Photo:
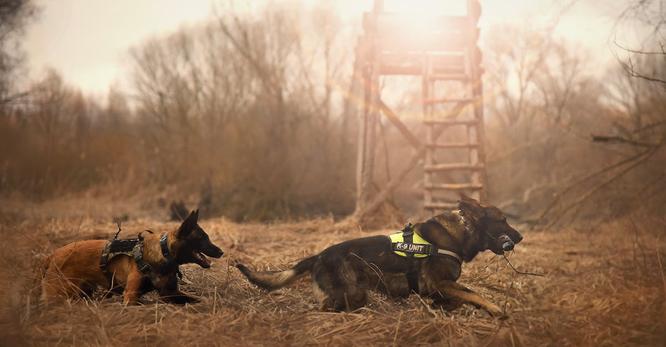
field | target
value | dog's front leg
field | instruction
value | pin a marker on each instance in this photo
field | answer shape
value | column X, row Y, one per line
column 170, row 292
column 460, row 292
column 133, row 287
column 177, row 297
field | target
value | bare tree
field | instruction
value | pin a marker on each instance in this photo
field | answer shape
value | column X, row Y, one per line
column 650, row 17
column 14, row 16
column 249, row 100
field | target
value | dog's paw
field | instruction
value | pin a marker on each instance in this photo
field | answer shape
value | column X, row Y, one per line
column 180, row 299
column 495, row 311
column 192, row 299
column 503, row 316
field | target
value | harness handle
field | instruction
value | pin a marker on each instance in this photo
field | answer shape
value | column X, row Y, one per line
column 118, row 222
column 408, row 229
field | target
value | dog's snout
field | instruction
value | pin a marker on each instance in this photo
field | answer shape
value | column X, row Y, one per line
column 520, row 238
column 506, row 242
column 213, row 251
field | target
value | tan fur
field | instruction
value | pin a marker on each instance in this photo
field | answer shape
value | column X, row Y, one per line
column 319, row 295
column 74, row 267
column 463, row 293
column 278, row 278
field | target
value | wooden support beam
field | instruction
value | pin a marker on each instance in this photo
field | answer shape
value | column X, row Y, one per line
column 441, row 205
column 367, row 137
column 451, row 122
column 450, row 117
column 453, row 186
column 453, row 166
column 453, row 145
column 390, row 187
column 395, row 120
column 448, row 100
column 394, row 182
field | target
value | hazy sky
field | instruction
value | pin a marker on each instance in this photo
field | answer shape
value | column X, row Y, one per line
column 87, row 40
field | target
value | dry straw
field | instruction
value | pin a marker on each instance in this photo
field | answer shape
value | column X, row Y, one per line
column 603, row 286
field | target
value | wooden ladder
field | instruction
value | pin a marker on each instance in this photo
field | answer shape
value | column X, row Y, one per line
column 447, row 175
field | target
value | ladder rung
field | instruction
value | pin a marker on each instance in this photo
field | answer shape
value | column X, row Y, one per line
column 454, row 186
column 441, row 205
column 453, row 166
column 413, row 70
column 444, row 101
column 453, row 145
column 451, row 121
column 448, row 77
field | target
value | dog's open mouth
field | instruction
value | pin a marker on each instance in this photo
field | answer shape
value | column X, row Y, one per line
column 503, row 244
column 201, row 259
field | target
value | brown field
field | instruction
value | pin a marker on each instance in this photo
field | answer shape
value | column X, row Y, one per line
column 604, row 285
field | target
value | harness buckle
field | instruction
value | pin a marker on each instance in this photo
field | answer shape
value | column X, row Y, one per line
column 145, row 268
column 408, row 229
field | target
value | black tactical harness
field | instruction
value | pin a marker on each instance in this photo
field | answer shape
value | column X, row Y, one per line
column 133, row 248
column 412, row 276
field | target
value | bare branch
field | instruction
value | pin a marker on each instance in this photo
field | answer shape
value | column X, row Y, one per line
column 650, row 126
column 622, row 140
column 663, row 51
column 602, row 185
column 586, row 178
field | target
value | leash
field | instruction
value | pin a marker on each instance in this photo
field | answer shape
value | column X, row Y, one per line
column 521, row 272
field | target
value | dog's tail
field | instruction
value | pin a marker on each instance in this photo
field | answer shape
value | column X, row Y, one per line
column 271, row 280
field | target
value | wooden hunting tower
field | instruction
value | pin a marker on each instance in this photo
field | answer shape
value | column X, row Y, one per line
column 445, row 56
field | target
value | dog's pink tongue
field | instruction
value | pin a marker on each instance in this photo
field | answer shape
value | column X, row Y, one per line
column 202, row 259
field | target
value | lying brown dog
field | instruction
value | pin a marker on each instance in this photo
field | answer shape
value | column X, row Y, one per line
column 425, row 258
column 137, row 265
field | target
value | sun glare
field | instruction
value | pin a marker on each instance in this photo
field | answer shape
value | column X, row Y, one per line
column 427, row 7
column 419, row 20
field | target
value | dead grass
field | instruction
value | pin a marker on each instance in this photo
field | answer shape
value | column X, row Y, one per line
column 604, row 286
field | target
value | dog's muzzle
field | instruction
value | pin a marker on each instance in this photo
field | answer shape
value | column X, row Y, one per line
column 507, row 244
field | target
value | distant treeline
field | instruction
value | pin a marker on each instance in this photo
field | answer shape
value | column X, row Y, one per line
column 245, row 115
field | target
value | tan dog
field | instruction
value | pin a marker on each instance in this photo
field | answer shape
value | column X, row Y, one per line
column 136, row 265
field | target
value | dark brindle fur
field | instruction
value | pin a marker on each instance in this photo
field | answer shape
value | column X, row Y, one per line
column 342, row 274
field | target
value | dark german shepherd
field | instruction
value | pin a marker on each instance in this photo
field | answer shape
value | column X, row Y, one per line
column 80, row 267
column 343, row 273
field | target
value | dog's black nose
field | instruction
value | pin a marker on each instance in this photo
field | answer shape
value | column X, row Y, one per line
column 507, row 246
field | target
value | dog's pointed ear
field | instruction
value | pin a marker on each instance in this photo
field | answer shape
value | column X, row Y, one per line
column 470, row 207
column 189, row 224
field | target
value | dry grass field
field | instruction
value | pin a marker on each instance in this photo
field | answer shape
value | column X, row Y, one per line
column 603, row 285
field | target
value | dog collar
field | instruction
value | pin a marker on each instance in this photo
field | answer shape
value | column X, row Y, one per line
column 450, row 253
column 164, row 246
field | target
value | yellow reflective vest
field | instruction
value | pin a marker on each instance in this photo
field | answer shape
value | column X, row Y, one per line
column 417, row 248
